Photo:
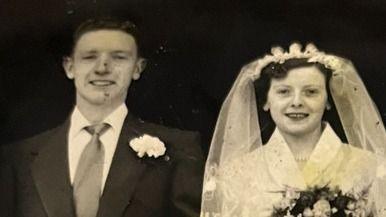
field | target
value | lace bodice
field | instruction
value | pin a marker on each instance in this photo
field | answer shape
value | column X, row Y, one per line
column 255, row 182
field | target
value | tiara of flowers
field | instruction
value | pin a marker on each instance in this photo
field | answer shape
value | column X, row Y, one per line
column 311, row 53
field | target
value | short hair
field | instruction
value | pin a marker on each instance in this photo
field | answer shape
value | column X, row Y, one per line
column 106, row 23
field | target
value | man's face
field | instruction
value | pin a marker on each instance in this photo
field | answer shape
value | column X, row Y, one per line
column 297, row 102
column 102, row 67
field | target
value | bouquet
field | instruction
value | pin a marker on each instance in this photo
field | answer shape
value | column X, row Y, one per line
column 322, row 202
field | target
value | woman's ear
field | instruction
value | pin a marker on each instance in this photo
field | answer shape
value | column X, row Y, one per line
column 139, row 68
column 328, row 105
column 68, row 66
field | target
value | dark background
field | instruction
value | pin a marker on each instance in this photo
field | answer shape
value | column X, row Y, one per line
column 195, row 49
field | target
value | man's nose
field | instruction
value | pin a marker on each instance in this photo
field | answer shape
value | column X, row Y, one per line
column 103, row 65
column 297, row 100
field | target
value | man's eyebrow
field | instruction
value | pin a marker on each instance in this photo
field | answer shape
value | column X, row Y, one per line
column 128, row 52
column 122, row 51
column 89, row 51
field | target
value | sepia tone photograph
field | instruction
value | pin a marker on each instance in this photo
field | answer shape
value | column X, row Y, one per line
column 194, row 108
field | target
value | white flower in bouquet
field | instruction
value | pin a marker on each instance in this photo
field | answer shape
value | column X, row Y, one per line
column 308, row 212
column 322, row 208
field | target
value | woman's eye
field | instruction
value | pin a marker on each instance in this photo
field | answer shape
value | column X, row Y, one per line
column 283, row 91
column 310, row 92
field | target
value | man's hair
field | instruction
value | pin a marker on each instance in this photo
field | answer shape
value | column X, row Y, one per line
column 106, row 23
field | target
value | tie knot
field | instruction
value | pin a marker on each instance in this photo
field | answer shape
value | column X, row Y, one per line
column 97, row 129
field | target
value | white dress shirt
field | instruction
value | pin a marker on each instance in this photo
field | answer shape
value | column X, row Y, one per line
column 78, row 138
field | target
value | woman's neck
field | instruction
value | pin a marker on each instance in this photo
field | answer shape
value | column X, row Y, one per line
column 302, row 145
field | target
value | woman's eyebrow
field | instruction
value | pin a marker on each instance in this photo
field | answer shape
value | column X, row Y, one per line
column 313, row 85
column 280, row 85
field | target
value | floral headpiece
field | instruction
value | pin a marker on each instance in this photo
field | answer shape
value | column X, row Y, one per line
column 311, row 52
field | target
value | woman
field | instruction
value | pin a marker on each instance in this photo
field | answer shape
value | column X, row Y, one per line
column 304, row 169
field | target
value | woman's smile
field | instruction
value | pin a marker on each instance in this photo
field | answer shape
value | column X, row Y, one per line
column 296, row 116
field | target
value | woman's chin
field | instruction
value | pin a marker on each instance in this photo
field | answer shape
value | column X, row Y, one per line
column 298, row 128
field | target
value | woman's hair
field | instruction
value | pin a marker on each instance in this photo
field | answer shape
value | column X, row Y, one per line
column 278, row 71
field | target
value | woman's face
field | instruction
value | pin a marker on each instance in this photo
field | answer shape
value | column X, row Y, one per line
column 297, row 101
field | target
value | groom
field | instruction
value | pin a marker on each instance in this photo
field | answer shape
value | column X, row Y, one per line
column 103, row 161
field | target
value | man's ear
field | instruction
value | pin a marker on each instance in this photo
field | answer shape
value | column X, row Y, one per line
column 140, row 66
column 68, row 66
column 266, row 106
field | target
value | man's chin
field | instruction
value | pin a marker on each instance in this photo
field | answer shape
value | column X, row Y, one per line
column 99, row 100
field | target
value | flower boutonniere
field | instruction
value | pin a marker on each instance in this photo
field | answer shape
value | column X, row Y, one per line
column 149, row 145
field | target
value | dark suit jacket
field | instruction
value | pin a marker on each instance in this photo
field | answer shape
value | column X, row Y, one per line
column 35, row 180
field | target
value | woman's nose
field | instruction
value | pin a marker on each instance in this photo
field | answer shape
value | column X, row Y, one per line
column 297, row 100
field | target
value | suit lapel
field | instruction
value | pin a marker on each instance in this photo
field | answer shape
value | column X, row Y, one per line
column 125, row 172
column 51, row 174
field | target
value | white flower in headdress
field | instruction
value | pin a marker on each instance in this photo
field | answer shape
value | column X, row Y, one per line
column 311, row 48
column 277, row 51
column 295, row 49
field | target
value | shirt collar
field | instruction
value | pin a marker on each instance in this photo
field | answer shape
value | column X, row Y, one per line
column 327, row 141
column 115, row 119
column 282, row 166
column 322, row 157
column 282, row 159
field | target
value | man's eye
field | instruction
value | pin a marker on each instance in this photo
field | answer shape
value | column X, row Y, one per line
column 89, row 57
column 119, row 57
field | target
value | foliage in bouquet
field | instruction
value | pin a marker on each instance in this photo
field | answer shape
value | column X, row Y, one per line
column 321, row 202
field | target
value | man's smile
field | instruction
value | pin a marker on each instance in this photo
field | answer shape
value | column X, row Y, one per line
column 101, row 83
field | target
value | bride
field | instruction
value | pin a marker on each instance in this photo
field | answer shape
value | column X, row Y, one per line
column 304, row 169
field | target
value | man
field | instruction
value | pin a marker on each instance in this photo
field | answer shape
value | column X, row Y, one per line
column 104, row 162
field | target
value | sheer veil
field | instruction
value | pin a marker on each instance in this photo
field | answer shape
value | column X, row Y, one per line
column 237, row 131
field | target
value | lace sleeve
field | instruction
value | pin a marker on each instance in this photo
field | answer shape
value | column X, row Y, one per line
column 239, row 188
column 378, row 190
column 221, row 191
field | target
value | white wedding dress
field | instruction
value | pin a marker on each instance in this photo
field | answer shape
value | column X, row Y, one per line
column 266, row 172
column 244, row 178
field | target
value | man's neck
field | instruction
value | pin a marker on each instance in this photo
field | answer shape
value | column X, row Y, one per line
column 96, row 113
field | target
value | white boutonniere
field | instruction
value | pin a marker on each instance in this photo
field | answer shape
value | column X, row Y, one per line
column 149, row 145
